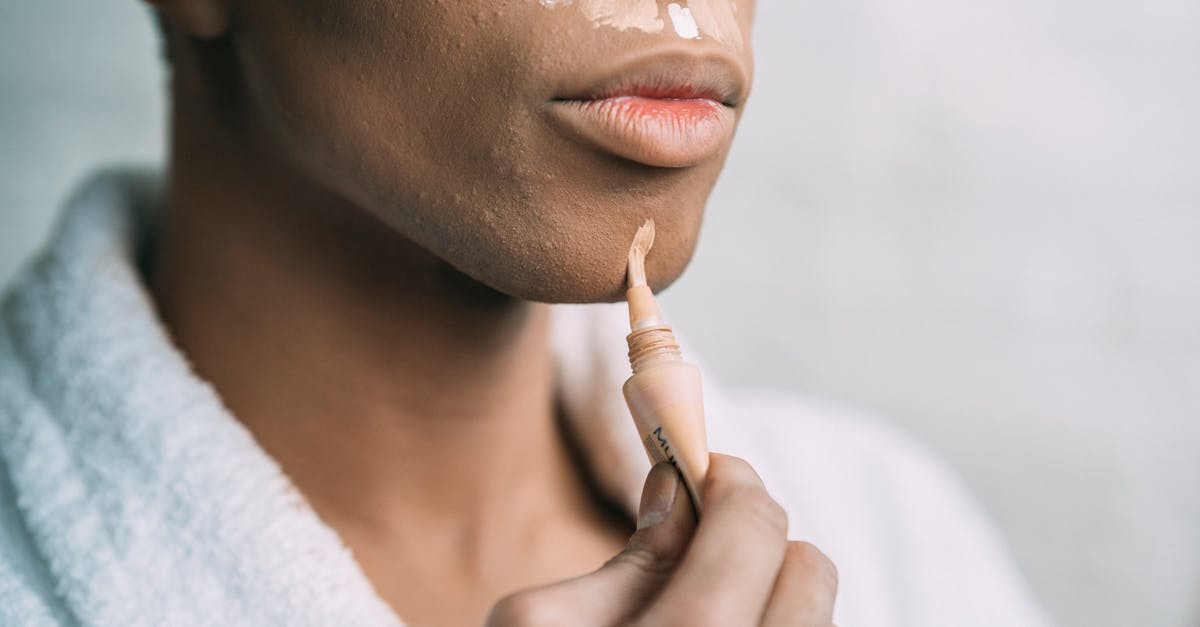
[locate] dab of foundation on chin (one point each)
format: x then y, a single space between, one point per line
664 392
690 19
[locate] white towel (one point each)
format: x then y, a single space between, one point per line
130 496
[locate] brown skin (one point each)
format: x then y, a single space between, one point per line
365 198
433 117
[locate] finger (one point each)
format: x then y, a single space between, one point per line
730 567
623 586
804 591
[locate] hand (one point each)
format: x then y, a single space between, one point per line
738 569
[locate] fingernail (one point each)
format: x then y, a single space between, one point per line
658 495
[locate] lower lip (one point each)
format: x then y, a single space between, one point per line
662 132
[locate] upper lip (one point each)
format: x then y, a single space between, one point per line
675 76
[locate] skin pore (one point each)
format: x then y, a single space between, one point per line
366 201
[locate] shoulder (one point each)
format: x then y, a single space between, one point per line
816 449
912 545
26 588
830 462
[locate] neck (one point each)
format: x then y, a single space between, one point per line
398 394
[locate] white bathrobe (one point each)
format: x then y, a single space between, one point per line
129 495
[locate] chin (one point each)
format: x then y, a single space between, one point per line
579 263
567 281
558 239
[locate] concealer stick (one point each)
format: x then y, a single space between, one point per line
664 392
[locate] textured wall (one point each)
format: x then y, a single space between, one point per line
980 220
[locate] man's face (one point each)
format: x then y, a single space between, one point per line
521 141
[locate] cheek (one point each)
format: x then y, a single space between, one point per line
373 106
312 84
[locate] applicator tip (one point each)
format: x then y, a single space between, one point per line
643 241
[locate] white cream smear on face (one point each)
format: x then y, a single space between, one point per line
691 19
685 24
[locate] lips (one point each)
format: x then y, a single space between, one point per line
669 113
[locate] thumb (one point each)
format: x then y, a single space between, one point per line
627 582
666 519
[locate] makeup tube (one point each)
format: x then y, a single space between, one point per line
664 392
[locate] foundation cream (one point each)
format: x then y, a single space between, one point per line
689 19
664 394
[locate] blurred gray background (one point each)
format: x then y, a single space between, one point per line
980 220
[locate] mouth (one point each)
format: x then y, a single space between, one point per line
669 112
